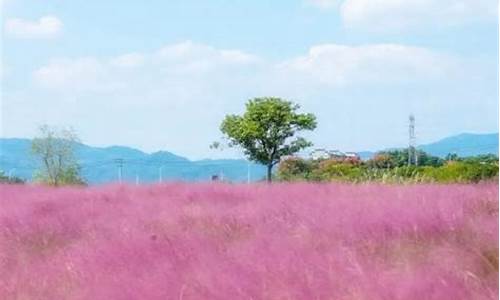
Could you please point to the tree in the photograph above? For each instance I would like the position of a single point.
(399, 158)
(451, 157)
(295, 168)
(267, 129)
(55, 149)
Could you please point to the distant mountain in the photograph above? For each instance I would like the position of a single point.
(465, 144)
(99, 165)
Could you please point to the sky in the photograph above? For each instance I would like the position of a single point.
(161, 75)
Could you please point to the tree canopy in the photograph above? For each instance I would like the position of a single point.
(55, 149)
(399, 158)
(267, 130)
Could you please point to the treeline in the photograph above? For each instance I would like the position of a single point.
(392, 167)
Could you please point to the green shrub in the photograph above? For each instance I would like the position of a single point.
(381, 169)
(293, 169)
(457, 171)
(337, 170)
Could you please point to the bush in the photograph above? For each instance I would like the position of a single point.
(69, 176)
(456, 171)
(293, 169)
(337, 170)
(399, 158)
(385, 169)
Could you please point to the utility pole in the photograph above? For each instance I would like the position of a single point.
(119, 162)
(412, 143)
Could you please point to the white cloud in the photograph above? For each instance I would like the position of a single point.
(44, 28)
(188, 67)
(401, 15)
(165, 88)
(183, 61)
(192, 57)
(74, 75)
(185, 89)
(3, 4)
(193, 65)
(397, 15)
(129, 60)
(324, 4)
(338, 65)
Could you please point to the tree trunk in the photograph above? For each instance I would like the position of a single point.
(269, 173)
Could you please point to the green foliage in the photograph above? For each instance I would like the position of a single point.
(382, 169)
(294, 169)
(462, 171)
(399, 158)
(481, 159)
(55, 149)
(333, 169)
(425, 159)
(267, 129)
(67, 176)
(382, 161)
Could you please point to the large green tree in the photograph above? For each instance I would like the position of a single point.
(267, 130)
(55, 150)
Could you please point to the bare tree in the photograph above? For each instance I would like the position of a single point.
(55, 149)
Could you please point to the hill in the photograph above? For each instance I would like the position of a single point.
(465, 144)
(99, 165)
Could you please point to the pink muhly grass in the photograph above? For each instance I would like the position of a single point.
(216, 241)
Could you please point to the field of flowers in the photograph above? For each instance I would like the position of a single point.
(216, 241)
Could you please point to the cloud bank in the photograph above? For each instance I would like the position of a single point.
(402, 15)
(185, 89)
(47, 27)
(328, 64)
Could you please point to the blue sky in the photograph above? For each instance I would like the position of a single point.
(160, 75)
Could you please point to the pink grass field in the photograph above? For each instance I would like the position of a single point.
(216, 241)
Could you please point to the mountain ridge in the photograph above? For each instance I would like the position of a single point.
(463, 144)
(99, 163)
